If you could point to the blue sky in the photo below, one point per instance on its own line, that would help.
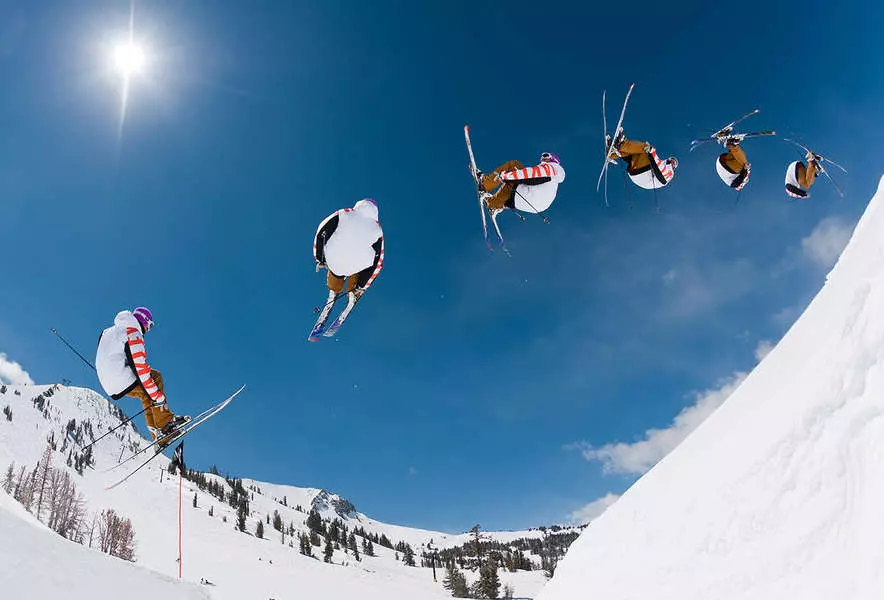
(467, 387)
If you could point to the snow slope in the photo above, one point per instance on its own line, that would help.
(780, 493)
(37, 563)
(238, 564)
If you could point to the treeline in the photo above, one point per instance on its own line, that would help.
(50, 494)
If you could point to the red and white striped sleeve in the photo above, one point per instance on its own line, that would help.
(541, 170)
(139, 358)
(378, 266)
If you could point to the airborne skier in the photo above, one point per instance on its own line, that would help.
(799, 177)
(644, 167)
(732, 166)
(523, 189)
(123, 370)
(350, 244)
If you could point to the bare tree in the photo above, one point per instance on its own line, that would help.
(43, 469)
(67, 508)
(116, 535)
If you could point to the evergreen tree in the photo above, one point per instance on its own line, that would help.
(241, 517)
(314, 539)
(408, 555)
(259, 530)
(455, 582)
(194, 500)
(367, 547)
(351, 543)
(489, 582)
(306, 547)
(212, 511)
(277, 521)
(329, 550)
(314, 522)
(385, 542)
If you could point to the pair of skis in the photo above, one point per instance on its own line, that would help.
(321, 329)
(474, 171)
(183, 431)
(609, 142)
(727, 132)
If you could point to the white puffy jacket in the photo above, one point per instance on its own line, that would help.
(535, 198)
(121, 359)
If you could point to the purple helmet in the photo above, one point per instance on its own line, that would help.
(144, 318)
(549, 157)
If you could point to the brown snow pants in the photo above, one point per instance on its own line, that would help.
(504, 194)
(156, 417)
(635, 153)
(336, 284)
(805, 176)
(734, 159)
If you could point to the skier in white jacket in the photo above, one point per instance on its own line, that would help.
(350, 244)
(523, 189)
(123, 370)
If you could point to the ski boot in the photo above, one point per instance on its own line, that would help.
(614, 153)
(723, 135)
(168, 433)
(816, 160)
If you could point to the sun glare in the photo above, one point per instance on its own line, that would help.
(129, 58)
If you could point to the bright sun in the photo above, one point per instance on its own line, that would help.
(129, 58)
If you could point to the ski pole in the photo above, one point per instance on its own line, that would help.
(545, 218)
(114, 428)
(74, 350)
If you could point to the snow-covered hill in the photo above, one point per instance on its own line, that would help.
(779, 494)
(238, 564)
(37, 563)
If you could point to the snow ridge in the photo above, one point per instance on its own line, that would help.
(777, 494)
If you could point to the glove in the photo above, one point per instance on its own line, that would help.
(320, 266)
(358, 292)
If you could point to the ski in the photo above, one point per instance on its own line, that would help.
(193, 424)
(607, 150)
(474, 172)
(824, 171)
(324, 313)
(499, 235)
(332, 329)
(724, 132)
(203, 416)
(610, 144)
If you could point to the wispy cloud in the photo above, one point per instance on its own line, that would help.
(638, 457)
(593, 510)
(12, 372)
(763, 349)
(824, 244)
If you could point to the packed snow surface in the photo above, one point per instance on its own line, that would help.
(778, 494)
(38, 563)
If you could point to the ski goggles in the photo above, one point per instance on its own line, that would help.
(549, 157)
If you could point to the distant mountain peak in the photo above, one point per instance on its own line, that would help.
(326, 501)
